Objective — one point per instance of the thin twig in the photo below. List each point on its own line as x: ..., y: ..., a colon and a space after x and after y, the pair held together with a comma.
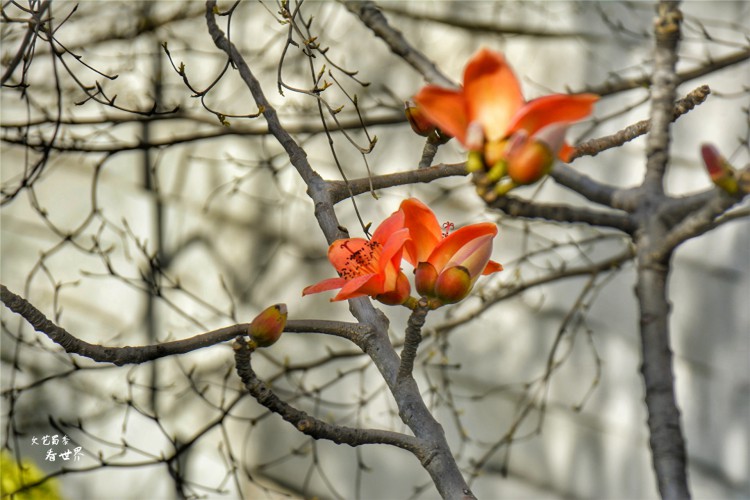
x: 595, y: 146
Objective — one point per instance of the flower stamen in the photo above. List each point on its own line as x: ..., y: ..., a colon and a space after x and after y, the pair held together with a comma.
x: 448, y: 226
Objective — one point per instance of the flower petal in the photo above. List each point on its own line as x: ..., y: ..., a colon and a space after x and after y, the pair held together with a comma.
x: 369, y: 284
x: 445, y: 108
x: 492, y: 92
x: 452, y: 243
x: 390, y: 225
x: 389, y: 263
x: 555, y: 108
x: 473, y: 256
x: 492, y: 267
x: 565, y: 152
x: 424, y: 230
x: 323, y: 286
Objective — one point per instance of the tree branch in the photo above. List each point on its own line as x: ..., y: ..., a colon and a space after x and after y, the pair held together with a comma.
x: 507, y: 291
x: 340, y: 190
x: 476, y: 26
x: 412, y: 338
x: 142, y: 354
x: 371, y: 16
x: 35, y: 25
x: 667, y: 30
x: 517, y: 207
x: 308, y: 424
x: 595, y: 146
x: 665, y: 432
x: 439, y: 463
x: 697, y: 223
x: 682, y: 77
x: 117, y: 355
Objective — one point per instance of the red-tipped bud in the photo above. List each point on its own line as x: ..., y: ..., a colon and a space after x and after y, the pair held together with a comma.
x: 267, y: 327
x: 399, y: 295
x: 721, y: 172
x: 425, y: 276
x: 715, y: 163
x: 453, y: 284
x: 417, y: 119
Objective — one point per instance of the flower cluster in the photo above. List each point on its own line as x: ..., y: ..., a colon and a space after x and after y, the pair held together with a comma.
x: 507, y: 137
x: 446, y: 265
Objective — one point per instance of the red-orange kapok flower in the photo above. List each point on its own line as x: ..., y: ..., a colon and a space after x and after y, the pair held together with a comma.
x: 505, y: 134
x: 369, y: 267
x: 446, y: 265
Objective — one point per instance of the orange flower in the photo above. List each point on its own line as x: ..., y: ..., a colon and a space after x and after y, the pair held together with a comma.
x: 369, y: 267
x: 446, y: 266
x: 489, y: 116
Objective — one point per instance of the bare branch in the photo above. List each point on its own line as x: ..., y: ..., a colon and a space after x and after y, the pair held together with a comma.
x: 369, y: 13
x: 339, y: 190
x: 35, y: 25
x: 141, y: 354
x: 308, y: 424
x: 412, y: 339
x: 595, y: 146
x: 476, y: 26
x: 517, y: 207
x: 682, y: 77
x: 667, y: 443
x: 697, y: 223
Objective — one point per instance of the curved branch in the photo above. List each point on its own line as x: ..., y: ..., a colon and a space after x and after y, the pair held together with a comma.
x: 308, y: 424
x: 76, y: 146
